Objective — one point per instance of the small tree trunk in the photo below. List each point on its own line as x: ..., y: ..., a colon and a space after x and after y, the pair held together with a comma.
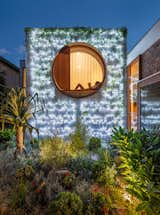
x: 19, y: 139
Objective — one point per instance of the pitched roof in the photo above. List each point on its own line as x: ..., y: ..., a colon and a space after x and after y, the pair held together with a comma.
x: 8, y: 63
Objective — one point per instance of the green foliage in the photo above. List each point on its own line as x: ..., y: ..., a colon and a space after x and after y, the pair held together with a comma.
x: 6, y: 138
x: 140, y: 160
x: 66, y: 203
x: 78, y: 138
x: 83, y: 167
x: 101, y: 170
x: 24, y: 173
x: 98, y: 205
x: 55, y: 151
x: 6, y: 135
x: 107, y: 176
x: 18, y: 195
x: 68, y: 181
x: 106, y: 170
x: 94, y: 144
x: 35, y: 143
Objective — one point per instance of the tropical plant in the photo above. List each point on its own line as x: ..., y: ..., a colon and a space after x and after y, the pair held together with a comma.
x: 18, y: 110
x: 140, y: 161
x: 66, y: 203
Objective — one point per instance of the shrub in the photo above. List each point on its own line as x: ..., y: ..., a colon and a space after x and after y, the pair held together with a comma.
x: 94, y: 144
x: 68, y: 180
x: 40, y: 194
x: 6, y: 136
x: 24, y: 173
x: 107, y: 176
x: 106, y: 169
x: 82, y: 188
x: 56, y: 152
x: 18, y: 195
x: 53, y: 185
x: 66, y: 203
x: 140, y: 160
x: 98, y: 205
x: 38, y: 187
x: 78, y: 138
x: 83, y: 166
x: 101, y: 170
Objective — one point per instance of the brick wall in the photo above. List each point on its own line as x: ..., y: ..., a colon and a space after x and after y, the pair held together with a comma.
x: 150, y: 60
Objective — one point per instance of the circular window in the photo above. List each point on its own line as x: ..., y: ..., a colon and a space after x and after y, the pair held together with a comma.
x: 78, y: 70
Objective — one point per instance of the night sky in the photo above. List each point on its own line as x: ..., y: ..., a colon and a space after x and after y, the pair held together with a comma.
x: 138, y: 16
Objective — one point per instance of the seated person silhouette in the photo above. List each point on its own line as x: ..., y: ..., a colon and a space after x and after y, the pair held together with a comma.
x: 94, y: 87
x: 90, y: 87
x: 79, y: 87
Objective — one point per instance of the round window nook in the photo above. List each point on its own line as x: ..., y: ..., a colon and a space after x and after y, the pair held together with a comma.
x: 78, y: 70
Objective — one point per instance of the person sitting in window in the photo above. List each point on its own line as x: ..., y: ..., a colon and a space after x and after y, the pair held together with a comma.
x: 79, y: 87
x: 94, y: 87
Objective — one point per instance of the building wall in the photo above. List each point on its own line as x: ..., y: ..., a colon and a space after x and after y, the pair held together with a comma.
x: 11, y: 76
x: 99, y: 112
x: 145, y: 42
x: 150, y: 60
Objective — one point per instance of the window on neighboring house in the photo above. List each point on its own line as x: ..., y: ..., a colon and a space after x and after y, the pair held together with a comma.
x: 150, y: 107
x: 78, y: 70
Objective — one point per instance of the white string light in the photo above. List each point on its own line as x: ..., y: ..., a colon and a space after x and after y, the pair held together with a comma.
x: 99, y: 112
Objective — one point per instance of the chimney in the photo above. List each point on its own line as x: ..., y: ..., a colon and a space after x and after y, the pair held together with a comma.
x: 22, y: 74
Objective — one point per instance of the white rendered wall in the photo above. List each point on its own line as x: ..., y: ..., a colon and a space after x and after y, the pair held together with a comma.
x: 100, y: 112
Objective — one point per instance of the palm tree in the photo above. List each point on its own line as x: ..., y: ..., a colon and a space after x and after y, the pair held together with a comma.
x: 18, y: 110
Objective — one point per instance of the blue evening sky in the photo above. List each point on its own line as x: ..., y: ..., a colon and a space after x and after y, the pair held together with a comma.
x: 138, y: 16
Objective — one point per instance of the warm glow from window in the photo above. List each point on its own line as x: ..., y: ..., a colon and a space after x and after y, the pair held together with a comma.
x: 78, y: 70
x: 84, y: 69
x: 134, y: 77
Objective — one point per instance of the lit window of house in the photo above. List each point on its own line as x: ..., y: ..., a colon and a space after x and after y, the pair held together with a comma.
x: 133, y: 78
x: 78, y: 70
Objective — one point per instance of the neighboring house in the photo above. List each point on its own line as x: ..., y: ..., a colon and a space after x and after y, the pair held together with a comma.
x: 143, y: 71
x: 10, y: 72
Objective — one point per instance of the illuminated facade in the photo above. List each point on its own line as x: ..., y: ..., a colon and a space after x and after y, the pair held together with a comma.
x: 101, y: 111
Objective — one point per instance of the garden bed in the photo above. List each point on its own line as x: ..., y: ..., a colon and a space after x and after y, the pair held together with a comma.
x: 79, y: 177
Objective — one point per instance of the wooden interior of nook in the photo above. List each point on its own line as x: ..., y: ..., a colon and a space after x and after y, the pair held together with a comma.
x: 78, y: 65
